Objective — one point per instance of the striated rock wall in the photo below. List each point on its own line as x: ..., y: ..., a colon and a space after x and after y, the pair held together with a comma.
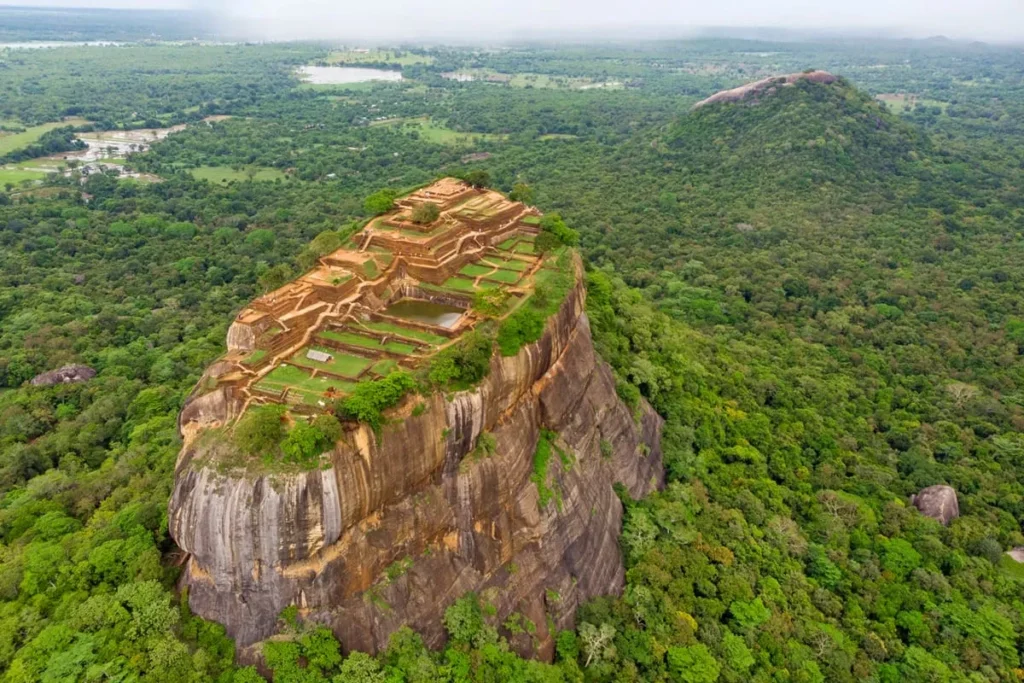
x: 419, y: 500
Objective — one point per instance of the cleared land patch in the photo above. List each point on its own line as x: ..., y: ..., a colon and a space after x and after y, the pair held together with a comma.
x: 11, y: 142
x: 410, y: 333
x: 431, y: 131
x: 290, y: 377
x: 903, y: 102
x: 14, y: 175
x: 400, y: 57
x: 225, y: 174
x: 367, y: 342
x: 505, y: 276
x: 344, y: 364
x: 384, y: 367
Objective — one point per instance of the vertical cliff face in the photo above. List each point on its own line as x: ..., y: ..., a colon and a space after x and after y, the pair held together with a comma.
x: 402, y: 524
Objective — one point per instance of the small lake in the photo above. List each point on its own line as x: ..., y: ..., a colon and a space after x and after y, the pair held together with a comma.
x: 336, y: 75
x: 427, y: 312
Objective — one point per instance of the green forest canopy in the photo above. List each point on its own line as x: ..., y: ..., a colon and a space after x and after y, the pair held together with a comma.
x: 821, y: 297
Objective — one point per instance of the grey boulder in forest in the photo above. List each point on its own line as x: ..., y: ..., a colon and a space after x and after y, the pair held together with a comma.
x: 68, y: 374
x: 938, y: 502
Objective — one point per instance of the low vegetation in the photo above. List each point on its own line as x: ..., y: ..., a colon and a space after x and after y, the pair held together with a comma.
x: 368, y: 400
x: 263, y: 433
x: 425, y: 213
x: 224, y: 174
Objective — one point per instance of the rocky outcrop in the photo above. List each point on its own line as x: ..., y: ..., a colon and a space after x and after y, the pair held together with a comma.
x: 402, y: 524
x: 766, y: 86
x: 68, y: 374
x: 1016, y: 554
x: 938, y: 502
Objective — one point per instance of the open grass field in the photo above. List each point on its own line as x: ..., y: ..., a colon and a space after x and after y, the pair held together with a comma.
x: 13, y: 175
x: 431, y: 131
x: 459, y: 284
x: 291, y: 377
x: 225, y: 174
x: 532, y: 80
x: 377, y: 56
x: 343, y: 364
x: 513, y: 264
x: 899, y: 103
x: 418, y: 335
x: 507, y: 264
x: 356, y: 87
x: 504, y: 276
x: 472, y: 270
x: 384, y: 367
x: 1011, y: 566
x: 367, y: 342
x: 10, y: 142
x: 255, y: 357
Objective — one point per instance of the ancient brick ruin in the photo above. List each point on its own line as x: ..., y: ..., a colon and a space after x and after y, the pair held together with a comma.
x: 392, y: 296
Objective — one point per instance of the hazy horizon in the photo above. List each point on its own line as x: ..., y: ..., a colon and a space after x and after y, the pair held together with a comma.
x: 489, y: 21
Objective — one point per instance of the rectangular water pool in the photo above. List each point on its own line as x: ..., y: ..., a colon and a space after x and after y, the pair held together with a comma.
x: 429, y: 312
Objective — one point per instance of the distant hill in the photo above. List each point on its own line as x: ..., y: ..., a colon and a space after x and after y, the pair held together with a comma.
x: 793, y: 131
x: 22, y: 23
x: 767, y: 86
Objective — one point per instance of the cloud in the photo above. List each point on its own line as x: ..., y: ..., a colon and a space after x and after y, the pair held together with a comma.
x: 484, y: 21
x: 490, y: 21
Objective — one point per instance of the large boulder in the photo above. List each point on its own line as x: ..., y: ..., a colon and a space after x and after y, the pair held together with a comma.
x: 938, y: 502
x: 767, y: 86
x: 68, y: 374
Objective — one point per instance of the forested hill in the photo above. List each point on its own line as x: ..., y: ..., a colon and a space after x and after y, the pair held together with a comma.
x: 795, y: 136
x: 853, y: 297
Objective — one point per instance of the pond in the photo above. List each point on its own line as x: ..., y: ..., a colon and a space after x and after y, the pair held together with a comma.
x: 335, y: 75
x: 429, y: 312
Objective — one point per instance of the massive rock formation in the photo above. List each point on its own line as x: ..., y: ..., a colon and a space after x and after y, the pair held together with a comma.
x: 402, y: 524
x: 938, y: 502
x: 766, y: 86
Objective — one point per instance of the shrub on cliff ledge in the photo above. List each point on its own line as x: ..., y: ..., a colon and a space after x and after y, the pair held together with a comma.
x: 554, y: 233
x: 463, y: 364
x: 522, y: 327
x: 369, y: 400
x: 526, y: 325
x: 380, y: 202
x: 306, y: 441
x: 261, y: 432
x: 261, y: 429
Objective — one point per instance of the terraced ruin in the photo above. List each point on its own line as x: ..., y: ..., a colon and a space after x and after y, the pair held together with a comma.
x: 394, y: 294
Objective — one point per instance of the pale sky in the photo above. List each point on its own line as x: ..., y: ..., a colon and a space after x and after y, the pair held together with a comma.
x: 491, y: 20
